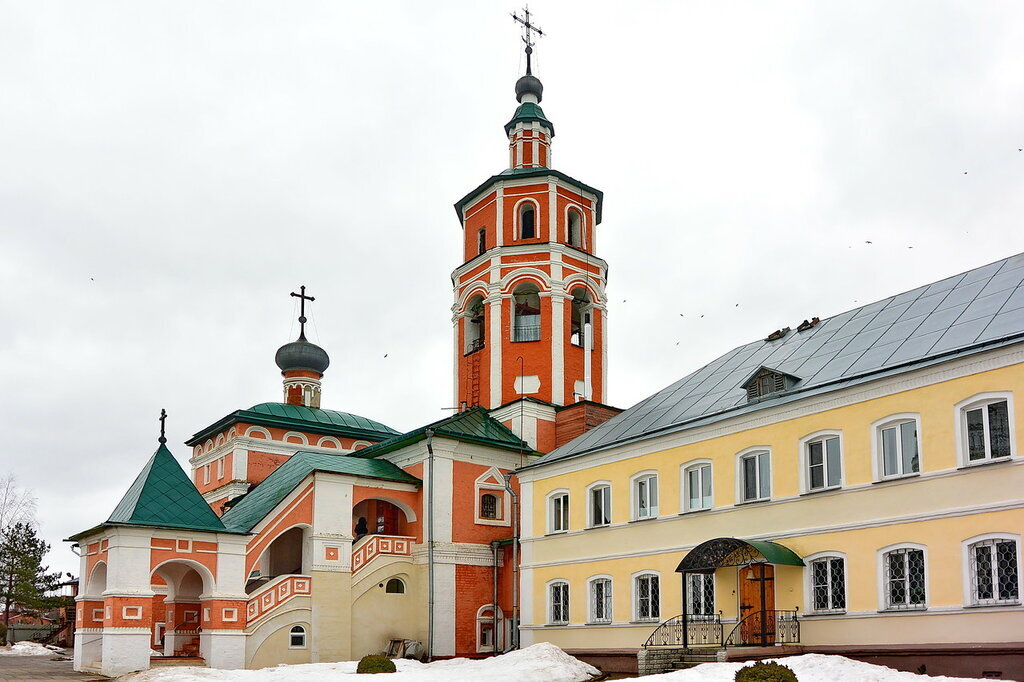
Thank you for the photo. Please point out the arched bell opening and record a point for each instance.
(475, 318)
(580, 318)
(526, 313)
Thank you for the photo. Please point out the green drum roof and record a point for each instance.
(722, 552)
(300, 418)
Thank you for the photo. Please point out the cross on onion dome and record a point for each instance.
(528, 30)
(302, 309)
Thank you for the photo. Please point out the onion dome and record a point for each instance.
(301, 354)
(529, 85)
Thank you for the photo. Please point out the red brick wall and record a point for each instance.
(473, 589)
(574, 420)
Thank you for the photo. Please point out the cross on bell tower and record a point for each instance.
(302, 363)
(528, 30)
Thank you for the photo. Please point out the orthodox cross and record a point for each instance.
(528, 30)
(163, 418)
(302, 308)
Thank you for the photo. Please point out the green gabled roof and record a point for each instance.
(300, 418)
(474, 425)
(515, 173)
(526, 113)
(262, 499)
(163, 495)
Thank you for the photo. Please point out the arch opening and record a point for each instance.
(527, 221)
(580, 318)
(526, 313)
(475, 318)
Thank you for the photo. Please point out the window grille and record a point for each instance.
(488, 506)
(600, 505)
(560, 512)
(994, 572)
(824, 466)
(700, 594)
(828, 584)
(899, 449)
(988, 431)
(601, 600)
(648, 598)
(560, 602)
(904, 579)
(698, 487)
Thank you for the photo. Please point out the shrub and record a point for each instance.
(766, 672)
(377, 664)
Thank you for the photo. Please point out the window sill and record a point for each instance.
(645, 621)
(986, 462)
(556, 532)
(698, 511)
(905, 609)
(754, 501)
(993, 604)
(556, 625)
(527, 341)
(816, 491)
(645, 518)
(825, 614)
(599, 622)
(897, 477)
(603, 525)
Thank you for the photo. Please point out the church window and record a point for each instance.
(580, 324)
(575, 229)
(487, 617)
(488, 506)
(206, 474)
(394, 586)
(527, 221)
(475, 324)
(297, 637)
(526, 313)
(481, 240)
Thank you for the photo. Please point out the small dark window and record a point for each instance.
(574, 228)
(527, 229)
(394, 586)
(297, 637)
(488, 506)
(765, 383)
(481, 240)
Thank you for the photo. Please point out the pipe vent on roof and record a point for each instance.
(808, 324)
(777, 334)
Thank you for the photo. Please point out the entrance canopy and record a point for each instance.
(712, 554)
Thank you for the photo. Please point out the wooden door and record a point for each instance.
(757, 604)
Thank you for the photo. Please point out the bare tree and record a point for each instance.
(17, 505)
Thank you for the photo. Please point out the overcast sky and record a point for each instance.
(170, 171)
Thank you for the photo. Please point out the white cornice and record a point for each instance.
(529, 409)
(273, 447)
(539, 248)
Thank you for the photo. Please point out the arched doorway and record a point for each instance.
(377, 516)
(177, 618)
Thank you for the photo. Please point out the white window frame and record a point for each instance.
(590, 504)
(292, 633)
(220, 468)
(688, 601)
(401, 582)
(965, 553)
(485, 483)
(684, 484)
(635, 497)
(960, 419)
(740, 456)
(583, 226)
(883, 586)
(549, 505)
(634, 581)
(809, 583)
(805, 461)
(610, 597)
(878, 451)
(519, 218)
(496, 633)
(206, 474)
(551, 604)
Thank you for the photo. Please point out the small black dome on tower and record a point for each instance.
(302, 354)
(529, 84)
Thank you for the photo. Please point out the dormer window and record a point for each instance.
(767, 381)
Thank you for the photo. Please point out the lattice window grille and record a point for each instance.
(828, 584)
(601, 601)
(994, 572)
(904, 579)
(648, 598)
(560, 603)
(700, 594)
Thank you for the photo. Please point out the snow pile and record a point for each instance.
(538, 663)
(808, 668)
(26, 649)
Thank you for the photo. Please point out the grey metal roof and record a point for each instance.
(959, 314)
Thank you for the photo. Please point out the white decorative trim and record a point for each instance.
(965, 558)
(684, 484)
(738, 468)
(634, 501)
(880, 576)
(588, 521)
(804, 472)
(973, 402)
(549, 513)
(877, 453)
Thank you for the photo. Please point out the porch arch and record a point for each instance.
(722, 552)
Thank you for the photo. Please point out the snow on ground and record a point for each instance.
(808, 668)
(27, 649)
(538, 663)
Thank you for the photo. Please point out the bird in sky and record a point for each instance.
(867, 242)
(385, 355)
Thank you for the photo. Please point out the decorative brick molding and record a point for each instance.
(275, 593)
(395, 545)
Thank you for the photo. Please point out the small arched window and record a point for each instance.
(488, 506)
(580, 317)
(481, 240)
(475, 324)
(527, 222)
(575, 228)
(297, 637)
(394, 586)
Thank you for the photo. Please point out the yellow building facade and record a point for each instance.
(876, 511)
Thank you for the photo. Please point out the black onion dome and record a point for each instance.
(529, 84)
(302, 354)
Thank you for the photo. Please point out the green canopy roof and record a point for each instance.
(300, 418)
(474, 425)
(163, 495)
(261, 500)
(721, 552)
(527, 112)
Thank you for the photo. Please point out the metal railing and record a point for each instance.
(765, 628)
(693, 630)
(526, 333)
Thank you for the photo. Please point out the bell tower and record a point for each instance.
(529, 318)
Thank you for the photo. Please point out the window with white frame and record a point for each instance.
(558, 602)
(558, 512)
(600, 502)
(486, 636)
(697, 486)
(898, 448)
(206, 474)
(903, 578)
(828, 584)
(700, 594)
(824, 462)
(645, 496)
(647, 596)
(755, 476)
(986, 430)
(601, 600)
(994, 571)
(297, 637)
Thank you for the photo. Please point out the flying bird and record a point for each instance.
(867, 242)
(385, 355)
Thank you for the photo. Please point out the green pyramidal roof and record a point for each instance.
(163, 495)
(527, 112)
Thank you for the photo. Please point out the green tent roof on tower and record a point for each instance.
(528, 112)
(162, 496)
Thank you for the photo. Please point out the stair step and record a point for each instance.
(172, 661)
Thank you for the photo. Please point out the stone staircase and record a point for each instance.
(691, 657)
(654, 661)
